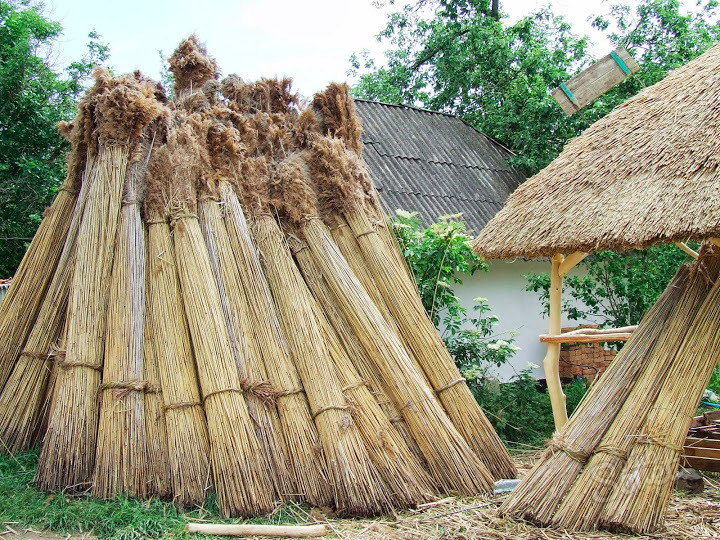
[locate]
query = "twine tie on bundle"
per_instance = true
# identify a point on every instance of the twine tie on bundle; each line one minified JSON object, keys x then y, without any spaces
{"x":449,"y":385}
{"x":559,"y":444}
{"x":122,"y":388}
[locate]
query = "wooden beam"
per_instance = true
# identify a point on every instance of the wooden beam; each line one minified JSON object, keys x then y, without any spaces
{"x":585,"y":338}
{"x":551,"y":363}
{"x":687,"y":249}
{"x":571,"y":262}
{"x":229,"y":529}
{"x":715,"y":241}
{"x":621,"y":330}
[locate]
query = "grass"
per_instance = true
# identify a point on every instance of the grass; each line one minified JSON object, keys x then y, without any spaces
{"x":120,"y":518}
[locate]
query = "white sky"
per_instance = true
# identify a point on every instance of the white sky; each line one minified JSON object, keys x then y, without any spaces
{"x":309,"y":40}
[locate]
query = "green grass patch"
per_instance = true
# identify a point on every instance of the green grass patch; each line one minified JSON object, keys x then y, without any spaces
{"x":120,"y":518}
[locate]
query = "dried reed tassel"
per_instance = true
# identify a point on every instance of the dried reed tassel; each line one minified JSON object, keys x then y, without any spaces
{"x":641,"y":494}
{"x":400,"y":469}
{"x":451,"y":461}
{"x":537,"y":497}
{"x":23,"y":300}
{"x":22,"y":401}
{"x":358,"y":487}
{"x":67,"y":458}
{"x":580,"y":511}
{"x":245,"y":348}
{"x":188,"y":443}
{"x":360,"y":361}
{"x":300,"y":433}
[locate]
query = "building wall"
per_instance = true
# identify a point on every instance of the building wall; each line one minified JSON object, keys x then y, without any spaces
{"x":504,"y":287}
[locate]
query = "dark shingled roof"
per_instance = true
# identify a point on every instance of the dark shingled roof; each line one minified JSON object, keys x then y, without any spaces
{"x":435,"y":163}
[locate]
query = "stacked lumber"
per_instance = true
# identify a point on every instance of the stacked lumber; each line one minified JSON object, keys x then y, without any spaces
{"x":625,"y":441}
{"x":191,"y":319}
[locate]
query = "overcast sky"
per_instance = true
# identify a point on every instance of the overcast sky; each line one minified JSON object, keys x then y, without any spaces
{"x":309,"y":40}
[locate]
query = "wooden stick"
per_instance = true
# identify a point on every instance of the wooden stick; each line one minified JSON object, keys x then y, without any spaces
{"x":595,"y":331}
{"x":687,"y":249}
{"x":287,"y":531}
{"x":584,"y":338}
{"x":552,"y":357}
{"x":571,"y":261}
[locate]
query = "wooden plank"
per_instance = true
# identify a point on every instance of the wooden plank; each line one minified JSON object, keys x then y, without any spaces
{"x":584,"y":338}
{"x":704,"y":443}
{"x":701,"y":463}
{"x":594,"y":81}
{"x":698,"y":451}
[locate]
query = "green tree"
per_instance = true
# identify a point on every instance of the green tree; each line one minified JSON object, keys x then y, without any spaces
{"x":34,"y":97}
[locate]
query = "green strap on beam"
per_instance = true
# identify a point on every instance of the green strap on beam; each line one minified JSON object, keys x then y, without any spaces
{"x":621,"y":63}
{"x":569,"y":94}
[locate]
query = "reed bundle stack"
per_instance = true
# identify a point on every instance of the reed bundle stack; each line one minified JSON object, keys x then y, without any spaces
{"x":614,"y":462}
{"x":197,"y":316}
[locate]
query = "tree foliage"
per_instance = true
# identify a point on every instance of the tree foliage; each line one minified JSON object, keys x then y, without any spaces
{"x":34,"y":96}
{"x":451,"y":56}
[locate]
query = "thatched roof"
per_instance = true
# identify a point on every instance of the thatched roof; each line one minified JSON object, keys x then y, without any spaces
{"x":645,"y":173}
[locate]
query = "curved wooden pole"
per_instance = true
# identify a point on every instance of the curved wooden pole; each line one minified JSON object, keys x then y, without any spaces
{"x":551,"y":363}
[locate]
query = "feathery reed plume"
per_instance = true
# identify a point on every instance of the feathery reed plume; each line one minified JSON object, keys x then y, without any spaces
{"x":582,"y":512}
{"x":301,"y":436}
{"x":191,"y":66}
{"x":121,"y":458}
{"x":642,"y":492}
{"x":537,"y":497}
{"x":337,"y":171}
{"x":124,"y":107}
{"x":409,"y":483}
{"x":451,"y":461}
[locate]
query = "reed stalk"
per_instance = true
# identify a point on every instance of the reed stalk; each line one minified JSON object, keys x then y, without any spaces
{"x":246,"y":350}
{"x":642,"y":492}
{"x":401,"y":470}
{"x":188,"y":443}
{"x":358,"y":487}
{"x":582,"y":512}
{"x":537,"y":497}
{"x":300,"y":434}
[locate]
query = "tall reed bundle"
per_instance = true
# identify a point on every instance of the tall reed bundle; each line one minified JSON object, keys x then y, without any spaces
{"x":241,"y":480}
{"x":23,"y":399}
{"x":641,"y":495}
{"x":67,"y":459}
{"x":261,"y":401}
{"x":357,"y":484}
{"x":337,"y":173}
{"x":451,"y":461}
{"x":537,"y":497}
{"x":360,"y":361}
{"x":23,"y":300}
{"x":188,"y":443}
{"x":121,"y":459}
{"x":400,"y":469}
{"x":156,"y":437}
{"x":582,"y":512}
{"x":301,"y":436}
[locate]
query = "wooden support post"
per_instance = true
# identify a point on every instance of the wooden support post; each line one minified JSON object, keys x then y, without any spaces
{"x":687,"y":249}
{"x":571,"y":262}
{"x":551,"y":363}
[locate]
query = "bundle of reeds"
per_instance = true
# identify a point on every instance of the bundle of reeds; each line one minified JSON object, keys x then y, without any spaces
{"x":337,"y":172}
{"x":125,"y":106}
{"x":300,"y":434}
{"x":641,"y":494}
{"x":242,"y":481}
{"x":357,"y":484}
{"x":361,"y":362}
{"x":121,"y":459}
{"x":580,"y":512}
{"x":453,"y":465}
{"x":188,"y":444}
{"x":246,"y":351}
{"x":23,"y":300}
{"x":401,"y":470}
{"x":537,"y":497}
{"x":23,"y":398}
